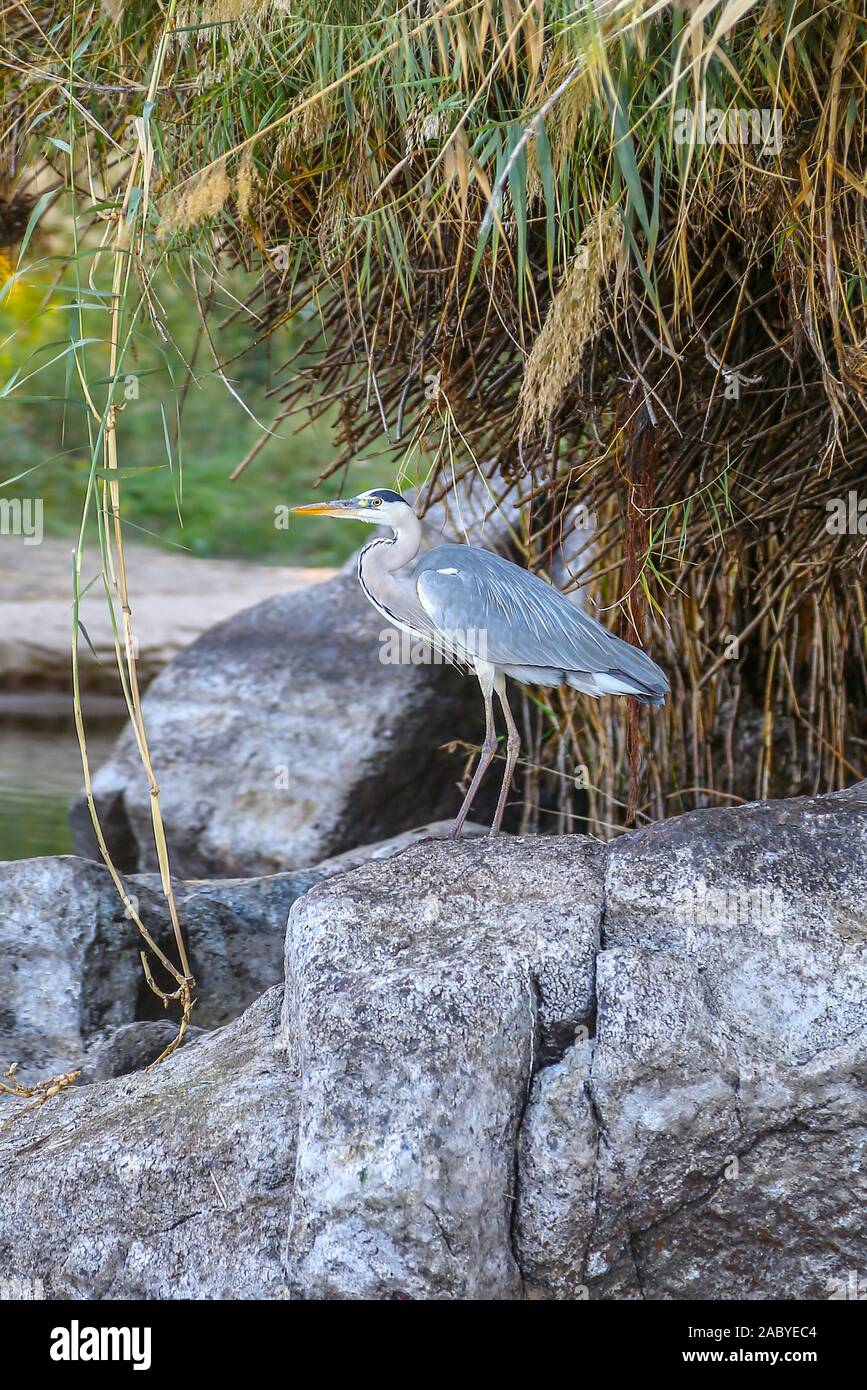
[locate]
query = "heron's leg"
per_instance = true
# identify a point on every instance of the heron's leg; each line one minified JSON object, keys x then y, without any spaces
{"x":513,"y":745}
{"x":489,"y":747}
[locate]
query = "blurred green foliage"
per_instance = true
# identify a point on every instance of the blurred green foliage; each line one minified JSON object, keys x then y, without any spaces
{"x":188,"y":501}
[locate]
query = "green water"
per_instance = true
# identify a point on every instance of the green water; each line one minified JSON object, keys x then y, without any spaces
{"x":40,"y":772}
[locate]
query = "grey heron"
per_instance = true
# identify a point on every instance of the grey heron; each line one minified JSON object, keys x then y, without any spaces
{"x":491,"y":616}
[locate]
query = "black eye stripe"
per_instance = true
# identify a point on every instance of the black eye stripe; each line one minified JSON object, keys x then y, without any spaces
{"x":385,"y":494}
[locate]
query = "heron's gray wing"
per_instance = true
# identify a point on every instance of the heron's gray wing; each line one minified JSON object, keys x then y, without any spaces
{"x":519,"y":619}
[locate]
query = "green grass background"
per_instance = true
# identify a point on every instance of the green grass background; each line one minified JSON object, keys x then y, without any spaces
{"x":190,"y":503}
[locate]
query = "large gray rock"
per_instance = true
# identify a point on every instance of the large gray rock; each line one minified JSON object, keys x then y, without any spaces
{"x":70,"y":972}
{"x":281,"y":738}
{"x":422,"y":991}
{"x":716,"y":1150}
{"x":67,"y":962}
{"x":235,"y":928}
{"x":173,"y":1183}
{"x":420,"y":995}
{"x":538,"y":1068}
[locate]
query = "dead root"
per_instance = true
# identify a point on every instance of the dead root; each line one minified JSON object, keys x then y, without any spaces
{"x":37,"y":1094}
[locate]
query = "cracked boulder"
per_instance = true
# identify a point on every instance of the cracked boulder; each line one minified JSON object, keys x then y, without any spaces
{"x":523,"y":1068}
{"x":281,"y":738}
{"x":365,"y":1148}
{"x":70,"y":973}
{"x":420,"y":996}
{"x":172,"y":1183}
{"x":706,"y":1144}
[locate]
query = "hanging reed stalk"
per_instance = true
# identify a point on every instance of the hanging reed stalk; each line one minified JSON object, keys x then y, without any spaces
{"x":130,"y":202}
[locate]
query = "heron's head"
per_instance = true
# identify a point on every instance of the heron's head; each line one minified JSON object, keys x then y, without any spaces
{"x":380,"y":507}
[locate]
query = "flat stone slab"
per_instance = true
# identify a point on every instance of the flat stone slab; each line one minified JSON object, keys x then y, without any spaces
{"x":174,"y":597}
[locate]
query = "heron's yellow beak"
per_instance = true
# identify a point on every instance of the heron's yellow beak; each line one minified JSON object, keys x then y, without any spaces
{"x":339,"y":508}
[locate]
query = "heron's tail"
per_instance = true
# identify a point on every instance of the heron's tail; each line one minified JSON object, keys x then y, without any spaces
{"x":648,"y":690}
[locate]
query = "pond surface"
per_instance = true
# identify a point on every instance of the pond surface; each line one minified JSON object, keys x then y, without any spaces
{"x":40,"y":768}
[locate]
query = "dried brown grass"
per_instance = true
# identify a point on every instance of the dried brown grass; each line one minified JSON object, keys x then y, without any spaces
{"x":204,"y":196}
{"x":572,"y":321}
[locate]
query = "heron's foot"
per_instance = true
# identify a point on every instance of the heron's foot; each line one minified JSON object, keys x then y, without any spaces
{"x":456,"y":829}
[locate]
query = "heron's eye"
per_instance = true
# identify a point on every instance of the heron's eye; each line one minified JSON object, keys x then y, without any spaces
{"x":376,"y":501}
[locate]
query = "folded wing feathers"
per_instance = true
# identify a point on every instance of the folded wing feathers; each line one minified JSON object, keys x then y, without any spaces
{"x":526,"y":623}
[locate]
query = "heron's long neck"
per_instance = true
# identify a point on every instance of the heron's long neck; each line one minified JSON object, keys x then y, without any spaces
{"x":387,"y":554}
{"x":378,"y":562}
